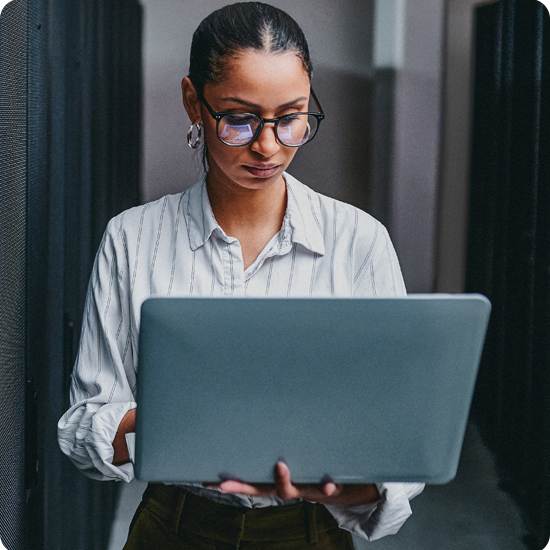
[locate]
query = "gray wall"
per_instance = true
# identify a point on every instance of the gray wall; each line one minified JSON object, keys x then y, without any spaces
{"x":336,"y":163}
{"x":417,"y":142}
{"x":453,"y":197}
{"x":379,"y":146}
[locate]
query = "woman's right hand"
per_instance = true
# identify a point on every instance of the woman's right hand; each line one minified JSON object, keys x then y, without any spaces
{"x":127,"y":425}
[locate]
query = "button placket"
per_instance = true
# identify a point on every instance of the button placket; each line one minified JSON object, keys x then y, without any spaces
{"x":233,"y":284}
{"x":280,"y":245}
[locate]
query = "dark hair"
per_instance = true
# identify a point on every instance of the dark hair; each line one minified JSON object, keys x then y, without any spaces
{"x":231,"y":29}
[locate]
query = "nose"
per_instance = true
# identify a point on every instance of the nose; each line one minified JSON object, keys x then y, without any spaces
{"x":266,"y":144}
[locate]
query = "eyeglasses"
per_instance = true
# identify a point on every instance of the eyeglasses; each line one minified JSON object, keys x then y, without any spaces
{"x":292,"y":130}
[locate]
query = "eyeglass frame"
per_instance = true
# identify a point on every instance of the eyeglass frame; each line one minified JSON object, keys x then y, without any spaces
{"x":218,"y":115}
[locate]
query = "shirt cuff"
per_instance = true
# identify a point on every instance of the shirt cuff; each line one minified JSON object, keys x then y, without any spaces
{"x":131,"y":444}
{"x":382,"y":517}
{"x":99,"y":441}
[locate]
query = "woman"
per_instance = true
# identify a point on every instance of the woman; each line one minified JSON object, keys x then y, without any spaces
{"x":247,"y":228}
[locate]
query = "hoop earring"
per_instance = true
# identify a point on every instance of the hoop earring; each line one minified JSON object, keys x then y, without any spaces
{"x":194,"y":144}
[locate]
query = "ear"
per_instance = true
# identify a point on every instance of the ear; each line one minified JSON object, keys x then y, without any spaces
{"x":191,"y":101}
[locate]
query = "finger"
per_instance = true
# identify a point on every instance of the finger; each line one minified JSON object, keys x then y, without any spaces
{"x":328,"y":489}
{"x":261,"y":489}
{"x":283,"y":484}
{"x":223,"y":477}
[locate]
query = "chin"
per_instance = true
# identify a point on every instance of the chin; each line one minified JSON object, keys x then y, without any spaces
{"x":248,"y":178}
{"x":250,"y":181}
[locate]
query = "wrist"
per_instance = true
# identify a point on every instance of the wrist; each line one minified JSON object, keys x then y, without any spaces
{"x":368,"y":495}
{"x":354,"y":495}
{"x":127,"y":425}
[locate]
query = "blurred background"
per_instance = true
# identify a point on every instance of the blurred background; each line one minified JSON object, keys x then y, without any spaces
{"x":437,"y":124}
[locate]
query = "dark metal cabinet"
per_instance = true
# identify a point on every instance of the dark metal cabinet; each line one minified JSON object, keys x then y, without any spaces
{"x":509,"y":248}
{"x":70,"y":124}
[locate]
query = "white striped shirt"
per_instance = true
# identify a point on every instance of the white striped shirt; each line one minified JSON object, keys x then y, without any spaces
{"x":175,"y":247}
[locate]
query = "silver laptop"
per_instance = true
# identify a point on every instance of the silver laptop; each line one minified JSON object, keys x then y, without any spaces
{"x":364,"y":390}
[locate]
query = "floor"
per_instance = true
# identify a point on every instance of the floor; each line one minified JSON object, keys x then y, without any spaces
{"x":468,"y":513}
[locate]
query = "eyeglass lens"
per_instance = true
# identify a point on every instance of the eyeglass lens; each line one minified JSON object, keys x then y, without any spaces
{"x":292,"y":130}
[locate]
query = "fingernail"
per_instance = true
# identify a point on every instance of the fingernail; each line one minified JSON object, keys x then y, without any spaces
{"x":229,"y":477}
{"x":327,"y":479}
{"x":281,"y":459}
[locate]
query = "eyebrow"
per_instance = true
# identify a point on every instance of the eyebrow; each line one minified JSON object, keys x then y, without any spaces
{"x":248,"y":104}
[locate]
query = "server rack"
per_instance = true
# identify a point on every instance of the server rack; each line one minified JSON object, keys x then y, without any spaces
{"x":70,"y":122}
{"x":509,"y":248}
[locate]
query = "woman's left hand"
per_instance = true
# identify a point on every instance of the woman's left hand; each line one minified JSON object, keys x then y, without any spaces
{"x":327,"y":492}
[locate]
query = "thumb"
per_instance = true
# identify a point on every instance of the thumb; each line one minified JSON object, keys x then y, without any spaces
{"x":285,"y":490}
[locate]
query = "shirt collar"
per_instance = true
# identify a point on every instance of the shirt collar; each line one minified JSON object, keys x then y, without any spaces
{"x":303,"y":213}
{"x":301,"y":224}
{"x":198,"y":214}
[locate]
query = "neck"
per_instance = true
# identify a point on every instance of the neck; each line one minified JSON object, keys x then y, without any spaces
{"x":241,"y":210}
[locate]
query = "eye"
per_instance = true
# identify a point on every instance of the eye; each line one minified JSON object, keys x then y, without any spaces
{"x":238,"y":120}
{"x":290,"y":118}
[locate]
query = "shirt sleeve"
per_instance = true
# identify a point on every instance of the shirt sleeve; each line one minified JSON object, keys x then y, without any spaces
{"x":378,"y":274}
{"x":104,"y":374}
{"x":382,"y":517}
{"x":378,"y":270}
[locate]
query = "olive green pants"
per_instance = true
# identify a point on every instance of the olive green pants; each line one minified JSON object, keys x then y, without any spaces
{"x":170,"y":518}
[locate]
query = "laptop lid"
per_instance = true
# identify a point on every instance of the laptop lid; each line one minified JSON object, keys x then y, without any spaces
{"x":364,"y":390}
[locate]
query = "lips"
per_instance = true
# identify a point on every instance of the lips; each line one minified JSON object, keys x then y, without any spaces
{"x":262,"y":170}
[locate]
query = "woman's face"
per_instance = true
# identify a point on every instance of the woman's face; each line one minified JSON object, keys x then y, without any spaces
{"x":269,"y":86}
